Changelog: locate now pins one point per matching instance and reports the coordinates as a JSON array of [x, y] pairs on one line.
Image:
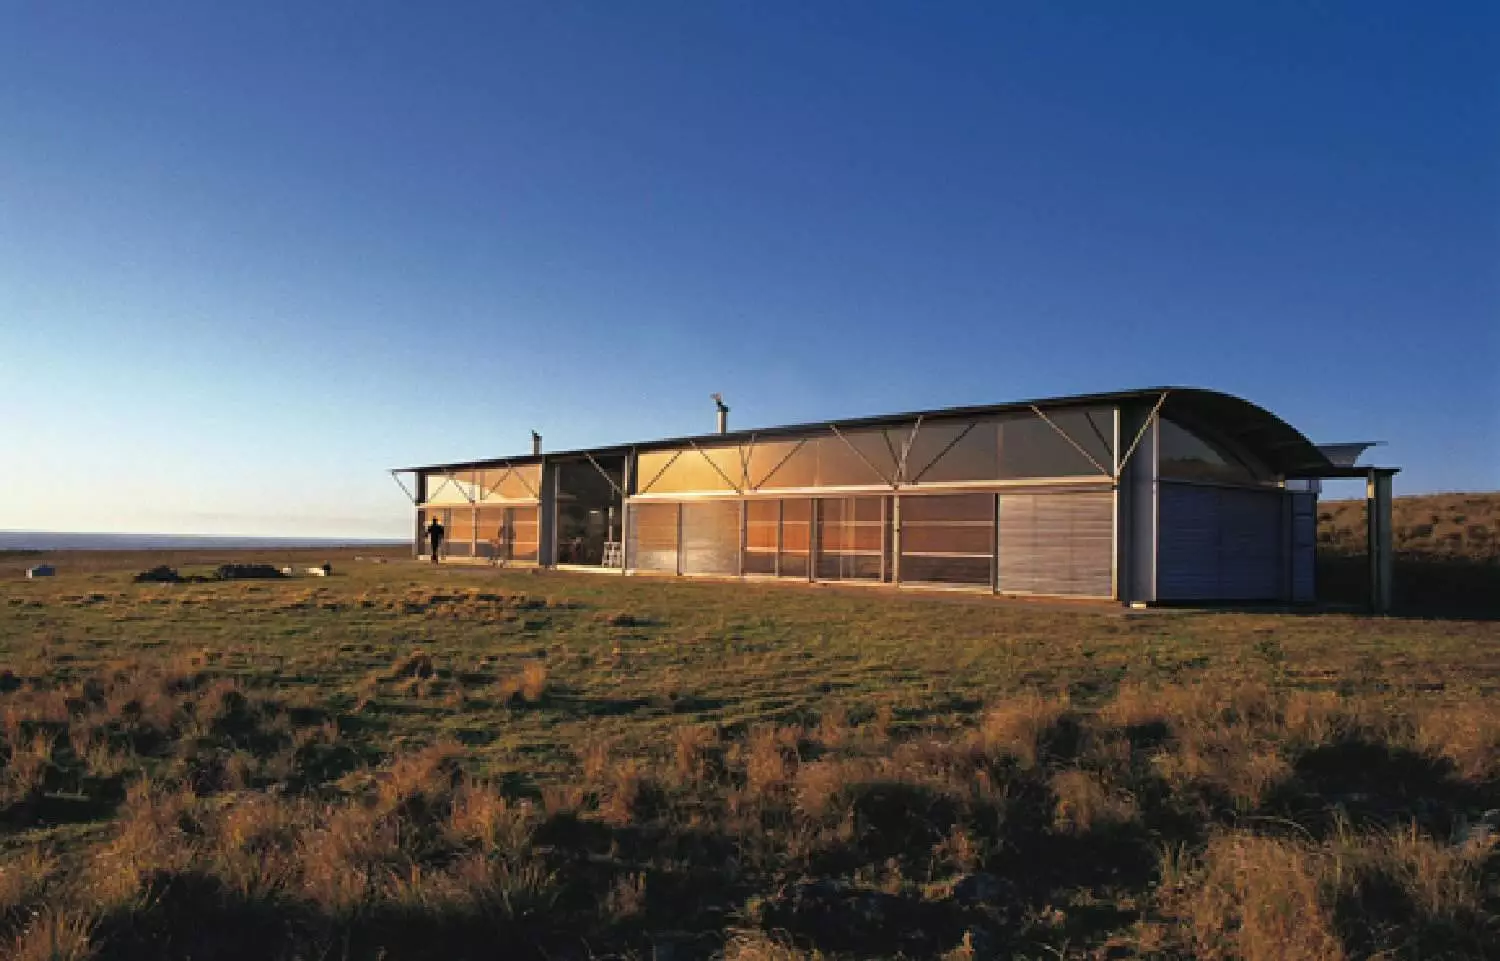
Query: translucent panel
[[946, 539], [852, 509], [649, 468], [1186, 456], [760, 562], [1093, 428], [460, 488], [847, 567], [523, 482], [524, 522], [711, 537], [793, 565], [730, 461], [459, 541], [840, 465], [851, 537], [955, 452], [784, 464], [1029, 447], [507, 533], [762, 512], [880, 447], [849, 545], [689, 470], [796, 536], [652, 545], [947, 570], [760, 535], [948, 507], [928, 447], [461, 524]]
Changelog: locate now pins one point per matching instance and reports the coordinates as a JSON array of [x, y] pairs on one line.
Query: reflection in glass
[[1187, 456]]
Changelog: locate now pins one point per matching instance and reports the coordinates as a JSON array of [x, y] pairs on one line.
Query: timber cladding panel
[[652, 543], [1060, 543], [711, 537]]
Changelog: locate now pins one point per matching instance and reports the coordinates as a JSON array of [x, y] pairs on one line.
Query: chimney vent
[[723, 410], [536, 444]]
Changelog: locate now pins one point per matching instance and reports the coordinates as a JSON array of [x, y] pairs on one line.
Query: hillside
[[1447, 553], [1447, 526]]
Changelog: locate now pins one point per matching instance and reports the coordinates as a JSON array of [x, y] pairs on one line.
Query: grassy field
[[402, 762]]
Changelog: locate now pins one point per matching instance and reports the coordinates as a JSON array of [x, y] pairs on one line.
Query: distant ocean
[[66, 541]]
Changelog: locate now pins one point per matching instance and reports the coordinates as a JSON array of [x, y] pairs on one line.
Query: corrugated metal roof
[[1216, 414]]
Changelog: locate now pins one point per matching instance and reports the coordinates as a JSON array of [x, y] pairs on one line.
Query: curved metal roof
[[1242, 425], [1248, 427]]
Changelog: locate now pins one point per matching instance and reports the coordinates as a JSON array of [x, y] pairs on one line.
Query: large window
[[589, 511], [948, 539]]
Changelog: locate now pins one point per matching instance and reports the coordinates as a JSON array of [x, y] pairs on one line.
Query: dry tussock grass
[[1382, 894], [152, 786], [1035, 791]]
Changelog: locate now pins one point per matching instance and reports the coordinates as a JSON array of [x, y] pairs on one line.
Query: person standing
[[434, 537], [498, 553]]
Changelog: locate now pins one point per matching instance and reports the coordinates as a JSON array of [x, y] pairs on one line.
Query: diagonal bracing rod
[[396, 476], [603, 473], [860, 454], [1142, 432], [733, 486], [942, 453]]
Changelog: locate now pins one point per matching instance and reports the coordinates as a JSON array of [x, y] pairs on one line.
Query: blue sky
[[252, 255]]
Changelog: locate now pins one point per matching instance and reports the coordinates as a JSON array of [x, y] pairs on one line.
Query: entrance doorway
[[590, 511]]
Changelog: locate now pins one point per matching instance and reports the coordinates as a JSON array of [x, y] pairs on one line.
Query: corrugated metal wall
[[711, 537], [1304, 507], [1220, 544], [1057, 543]]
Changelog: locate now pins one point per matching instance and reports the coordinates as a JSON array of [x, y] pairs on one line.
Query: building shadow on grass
[[1423, 586], [1367, 783]]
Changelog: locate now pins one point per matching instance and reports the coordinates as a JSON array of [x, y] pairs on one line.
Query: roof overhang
[[1279, 446]]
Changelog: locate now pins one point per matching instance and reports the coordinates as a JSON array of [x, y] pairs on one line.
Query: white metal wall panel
[[1057, 543], [711, 537], [1221, 544]]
